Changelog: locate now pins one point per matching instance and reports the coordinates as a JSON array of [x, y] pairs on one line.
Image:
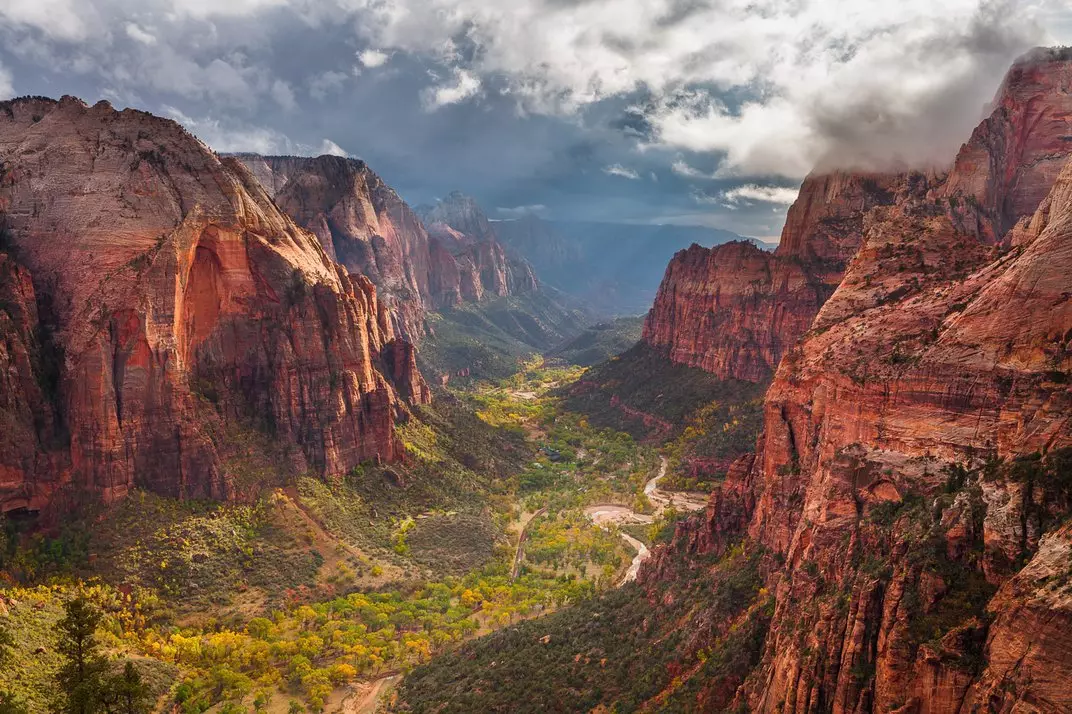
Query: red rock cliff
[[915, 468], [1013, 157], [157, 302], [460, 229], [363, 224], [734, 310]]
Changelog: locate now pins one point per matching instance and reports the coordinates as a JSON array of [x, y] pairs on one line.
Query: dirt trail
[[332, 549], [604, 513], [519, 552], [365, 701]]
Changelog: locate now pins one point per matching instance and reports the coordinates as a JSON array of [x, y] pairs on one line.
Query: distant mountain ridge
[[615, 268]]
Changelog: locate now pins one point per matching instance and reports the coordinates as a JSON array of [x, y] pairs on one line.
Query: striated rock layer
[[734, 310], [735, 313], [364, 225], [156, 302], [361, 223], [911, 487]]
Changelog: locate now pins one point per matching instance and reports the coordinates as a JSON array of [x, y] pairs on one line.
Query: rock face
[[1012, 158], [156, 302], [364, 225], [915, 468], [466, 242], [361, 223], [734, 310], [711, 313]]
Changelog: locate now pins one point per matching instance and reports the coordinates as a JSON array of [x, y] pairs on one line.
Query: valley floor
[[321, 596]]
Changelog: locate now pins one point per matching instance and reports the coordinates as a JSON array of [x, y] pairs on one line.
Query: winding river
[[606, 513]]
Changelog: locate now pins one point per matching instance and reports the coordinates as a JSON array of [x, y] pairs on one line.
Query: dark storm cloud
[[638, 110]]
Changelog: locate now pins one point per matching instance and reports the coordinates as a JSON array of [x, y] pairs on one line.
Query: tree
[[80, 677], [125, 693], [9, 703]]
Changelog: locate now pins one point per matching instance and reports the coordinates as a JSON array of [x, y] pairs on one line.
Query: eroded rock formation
[[913, 479], [462, 234], [734, 310], [447, 256], [158, 306]]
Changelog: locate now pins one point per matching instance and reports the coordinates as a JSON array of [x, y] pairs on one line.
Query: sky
[[698, 112]]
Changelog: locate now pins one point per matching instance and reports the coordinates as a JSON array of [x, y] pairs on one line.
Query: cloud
[[812, 81], [7, 88], [234, 137], [681, 168], [324, 84], [619, 170], [137, 34], [521, 211], [283, 94], [527, 102], [373, 58], [463, 85], [330, 147], [767, 194]]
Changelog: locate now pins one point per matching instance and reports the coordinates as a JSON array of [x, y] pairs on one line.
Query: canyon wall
[[911, 487], [734, 310], [419, 263], [461, 231], [158, 308]]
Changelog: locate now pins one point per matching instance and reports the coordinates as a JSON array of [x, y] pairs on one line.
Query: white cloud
[[461, 86], [138, 34], [57, 19], [751, 192], [769, 87], [283, 94], [619, 170], [372, 58], [681, 168], [869, 82], [521, 211], [330, 147]]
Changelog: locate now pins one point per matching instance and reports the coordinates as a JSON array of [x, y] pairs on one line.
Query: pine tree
[[9, 704], [125, 693], [80, 677]]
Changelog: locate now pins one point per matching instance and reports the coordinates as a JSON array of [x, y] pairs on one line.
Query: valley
[[315, 588], [271, 440]]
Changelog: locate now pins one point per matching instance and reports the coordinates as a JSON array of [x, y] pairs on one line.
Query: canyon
[[195, 326], [899, 539]]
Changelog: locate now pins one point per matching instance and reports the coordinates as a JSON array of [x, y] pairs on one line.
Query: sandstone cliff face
[[182, 306], [734, 310], [364, 225], [915, 465], [361, 223], [1014, 156], [460, 229]]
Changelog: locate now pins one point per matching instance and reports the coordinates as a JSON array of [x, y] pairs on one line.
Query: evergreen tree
[[9, 704], [125, 693], [81, 676]]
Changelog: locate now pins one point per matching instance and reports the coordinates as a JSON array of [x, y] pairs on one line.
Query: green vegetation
[[644, 380], [600, 342], [313, 583], [614, 651], [488, 340], [717, 434]]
